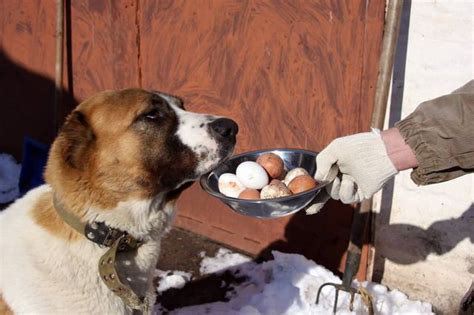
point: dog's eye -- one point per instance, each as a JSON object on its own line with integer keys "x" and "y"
{"x": 154, "y": 114}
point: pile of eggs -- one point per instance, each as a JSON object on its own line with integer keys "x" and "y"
{"x": 265, "y": 179}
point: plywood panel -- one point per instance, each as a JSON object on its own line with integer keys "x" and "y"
{"x": 289, "y": 70}
{"x": 104, "y": 55}
{"x": 292, "y": 74}
{"x": 26, "y": 72}
{"x": 104, "y": 46}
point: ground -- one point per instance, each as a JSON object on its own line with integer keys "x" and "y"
{"x": 198, "y": 276}
{"x": 183, "y": 250}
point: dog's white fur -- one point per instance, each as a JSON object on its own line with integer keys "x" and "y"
{"x": 193, "y": 133}
{"x": 53, "y": 274}
{"x": 44, "y": 274}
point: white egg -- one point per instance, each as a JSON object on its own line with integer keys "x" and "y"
{"x": 230, "y": 185}
{"x": 252, "y": 175}
{"x": 294, "y": 173}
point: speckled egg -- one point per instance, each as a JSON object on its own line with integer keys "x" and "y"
{"x": 230, "y": 185}
{"x": 275, "y": 189}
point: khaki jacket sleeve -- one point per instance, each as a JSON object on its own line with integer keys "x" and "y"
{"x": 441, "y": 133}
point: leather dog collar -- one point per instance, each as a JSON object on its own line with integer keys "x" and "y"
{"x": 118, "y": 241}
{"x": 97, "y": 232}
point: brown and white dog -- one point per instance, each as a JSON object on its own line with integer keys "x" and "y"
{"x": 121, "y": 158}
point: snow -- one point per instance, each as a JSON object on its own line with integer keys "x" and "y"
{"x": 288, "y": 284}
{"x": 223, "y": 260}
{"x": 9, "y": 178}
{"x": 172, "y": 279}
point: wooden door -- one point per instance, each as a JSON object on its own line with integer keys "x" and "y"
{"x": 293, "y": 74}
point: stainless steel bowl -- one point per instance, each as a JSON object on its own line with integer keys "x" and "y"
{"x": 265, "y": 208}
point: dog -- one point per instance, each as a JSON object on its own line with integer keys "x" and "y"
{"x": 113, "y": 175}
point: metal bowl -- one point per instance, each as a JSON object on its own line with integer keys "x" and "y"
{"x": 265, "y": 208}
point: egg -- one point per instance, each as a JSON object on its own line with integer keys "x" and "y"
{"x": 275, "y": 189}
{"x": 252, "y": 175}
{"x": 230, "y": 185}
{"x": 272, "y": 163}
{"x": 294, "y": 173}
{"x": 250, "y": 194}
{"x": 302, "y": 183}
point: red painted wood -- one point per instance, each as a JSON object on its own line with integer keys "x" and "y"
{"x": 291, "y": 73}
{"x": 104, "y": 55}
{"x": 104, "y": 46}
{"x": 26, "y": 73}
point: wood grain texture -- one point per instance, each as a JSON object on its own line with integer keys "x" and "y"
{"x": 291, "y": 73}
{"x": 26, "y": 71}
{"x": 374, "y": 17}
{"x": 288, "y": 72}
{"x": 104, "y": 46}
{"x": 104, "y": 55}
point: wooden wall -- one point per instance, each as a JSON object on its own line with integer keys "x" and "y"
{"x": 291, "y": 73}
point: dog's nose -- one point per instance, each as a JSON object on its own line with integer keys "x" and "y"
{"x": 225, "y": 127}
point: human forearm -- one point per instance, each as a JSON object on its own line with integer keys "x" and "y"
{"x": 401, "y": 155}
{"x": 441, "y": 134}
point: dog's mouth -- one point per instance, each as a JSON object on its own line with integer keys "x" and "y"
{"x": 206, "y": 162}
{"x": 209, "y": 160}
{"x": 225, "y": 154}
{"x": 224, "y": 132}
{"x": 209, "y": 140}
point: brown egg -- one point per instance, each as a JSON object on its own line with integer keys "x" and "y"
{"x": 249, "y": 194}
{"x": 293, "y": 173}
{"x": 302, "y": 183}
{"x": 272, "y": 163}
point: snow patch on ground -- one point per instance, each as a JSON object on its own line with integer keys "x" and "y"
{"x": 288, "y": 285}
{"x": 171, "y": 279}
{"x": 223, "y": 260}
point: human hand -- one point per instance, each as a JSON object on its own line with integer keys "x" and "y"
{"x": 363, "y": 163}
{"x": 323, "y": 196}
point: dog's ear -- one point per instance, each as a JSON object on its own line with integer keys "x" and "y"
{"x": 172, "y": 99}
{"x": 179, "y": 102}
{"x": 75, "y": 139}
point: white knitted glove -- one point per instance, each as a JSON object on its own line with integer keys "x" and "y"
{"x": 364, "y": 166}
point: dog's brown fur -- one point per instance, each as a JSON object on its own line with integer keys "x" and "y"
{"x": 122, "y": 158}
{"x": 97, "y": 136}
{"x": 46, "y": 216}
{"x": 4, "y": 309}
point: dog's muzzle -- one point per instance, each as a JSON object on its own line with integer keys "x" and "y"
{"x": 224, "y": 129}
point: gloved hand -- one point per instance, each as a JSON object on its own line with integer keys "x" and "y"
{"x": 364, "y": 167}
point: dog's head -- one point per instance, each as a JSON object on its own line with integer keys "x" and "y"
{"x": 136, "y": 143}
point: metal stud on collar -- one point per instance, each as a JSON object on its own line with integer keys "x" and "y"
{"x": 117, "y": 240}
{"x": 108, "y": 274}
